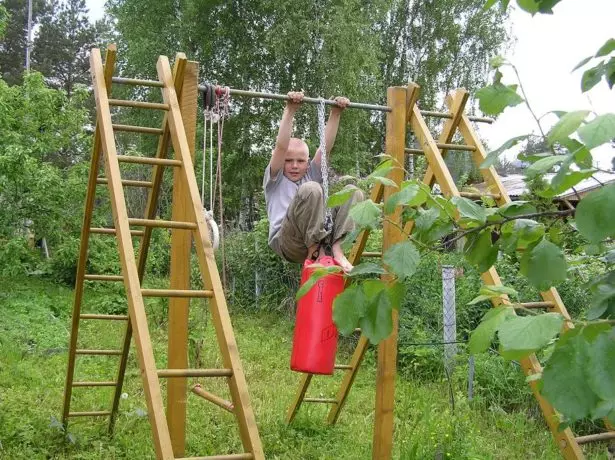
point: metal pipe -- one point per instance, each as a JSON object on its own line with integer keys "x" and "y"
{"x": 309, "y": 100}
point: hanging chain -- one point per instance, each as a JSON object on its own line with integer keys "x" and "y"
{"x": 324, "y": 169}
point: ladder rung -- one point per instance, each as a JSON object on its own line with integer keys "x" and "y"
{"x": 100, "y": 413}
{"x": 320, "y": 400}
{"x": 478, "y": 196}
{"x": 371, "y": 254}
{"x": 138, "y": 104}
{"x": 345, "y": 367}
{"x": 107, "y": 317}
{"x": 467, "y": 148}
{"x": 94, "y": 384}
{"x": 246, "y": 456}
{"x": 171, "y": 373}
{"x": 176, "y": 293}
{"x": 431, "y": 113}
{"x": 414, "y": 151}
{"x": 595, "y": 437}
{"x": 128, "y": 182}
{"x": 162, "y": 223}
{"x": 137, "y": 129}
{"x": 111, "y": 231}
{"x": 223, "y": 403}
{"x": 137, "y": 82}
{"x": 148, "y": 160}
{"x": 98, "y": 352}
{"x": 538, "y": 304}
{"x": 103, "y": 278}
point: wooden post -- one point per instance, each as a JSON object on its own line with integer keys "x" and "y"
{"x": 181, "y": 242}
{"x": 387, "y": 349}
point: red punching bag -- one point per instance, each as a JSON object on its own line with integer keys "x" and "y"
{"x": 315, "y": 338}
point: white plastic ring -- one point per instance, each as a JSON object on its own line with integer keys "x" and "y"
{"x": 214, "y": 233}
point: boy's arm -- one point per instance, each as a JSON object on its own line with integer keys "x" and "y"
{"x": 284, "y": 133}
{"x": 332, "y": 125}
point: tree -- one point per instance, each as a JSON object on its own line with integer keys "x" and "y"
{"x": 284, "y": 45}
{"x": 62, "y": 44}
{"x": 13, "y": 44}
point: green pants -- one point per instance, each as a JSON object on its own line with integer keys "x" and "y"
{"x": 303, "y": 225}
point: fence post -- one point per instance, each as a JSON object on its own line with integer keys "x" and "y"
{"x": 449, "y": 317}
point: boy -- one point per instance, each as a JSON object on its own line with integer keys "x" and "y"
{"x": 294, "y": 195}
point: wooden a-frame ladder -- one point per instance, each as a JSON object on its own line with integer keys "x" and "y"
{"x": 179, "y": 91}
{"x": 437, "y": 171}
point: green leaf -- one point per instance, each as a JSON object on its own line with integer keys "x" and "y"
{"x": 566, "y": 125}
{"x": 469, "y": 210}
{"x": 496, "y": 61}
{"x": 525, "y": 231}
{"x": 397, "y": 292}
{"x": 493, "y": 156}
{"x": 313, "y": 279}
{"x": 598, "y": 131}
{"x": 565, "y": 179}
{"x": 489, "y": 4}
{"x": 411, "y": 195}
{"x": 600, "y": 369}
{"x": 517, "y": 208}
{"x": 365, "y": 214}
{"x": 385, "y": 181}
{"x": 582, "y": 63}
{"x": 377, "y": 323}
{"x": 591, "y": 77}
{"x": 383, "y": 169}
{"x": 544, "y": 165}
{"x": 564, "y": 379}
{"x": 426, "y": 219}
{"x": 521, "y": 336}
{"x": 367, "y": 268}
{"x": 493, "y": 99}
{"x": 348, "y": 308}
{"x": 403, "y": 259}
{"x": 483, "y": 335}
{"x": 531, "y": 6}
{"x": 607, "y": 48}
{"x": 373, "y": 287}
{"x": 480, "y": 251}
{"x": 594, "y": 217}
{"x": 544, "y": 265}
{"x": 495, "y": 290}
{"x": 339, "y": 198}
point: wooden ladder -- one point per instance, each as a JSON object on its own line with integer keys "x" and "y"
{"x": 438, "y": 172}
{"x": 168, "y": 431}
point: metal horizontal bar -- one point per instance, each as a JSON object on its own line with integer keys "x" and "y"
{"x": 371, "y": 254}
{"x": 104, "y": 317}
{"x": 223, "y": 403}
{"x": 246, "y": 456}
{"x": 98, "y": 352}
{"x": 596, "y": 437}
{"x": 171, "y": 373}
{"x": 137, "y": 129}
{"x": 320, "y": 400}
{"x": 100, "y": 413}
{"x": 111, "y": 231}
{"x": 128, "y": 182}
{"x": 309, "y": 100}
{"x": 465, "y": 148}
{"x": 137, "y": 82}
{"x": 537, "y": 304}
{"x": 148, "y": 161}
{"x": 162, "y": 223}
{"x": 431, "y": 113}
{"x": 103, "y": 278}
{"x": 175, "y": 293}
{"x": 94, "y": 384}
{"x": 414, "y": 151}
{"x": 345, "y": 367}
{"x": 138, "y": 104}
{"x": 478, "y": 196}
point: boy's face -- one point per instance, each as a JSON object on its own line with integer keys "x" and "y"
{"x": 296, "y": 161}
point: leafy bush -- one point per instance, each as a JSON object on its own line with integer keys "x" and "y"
{"x": 16, "y": 258}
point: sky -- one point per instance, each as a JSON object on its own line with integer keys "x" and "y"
{"x": 546, "y": 49}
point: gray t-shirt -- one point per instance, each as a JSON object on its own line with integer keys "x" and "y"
{"x": 279, "y": 192}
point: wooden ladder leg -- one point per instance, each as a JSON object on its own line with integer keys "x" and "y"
{"x": 83, "y": 249}
{"x": 296, "y": 405}
{"x": 348, "y": 380}
{"x": 138, "y": 319}
{"x": 211, "y": 278}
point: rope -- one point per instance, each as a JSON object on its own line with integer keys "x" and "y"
{"x": 209, "y": 116}
{"x": 324, "y": 169}
{"x": 222, "y": 109}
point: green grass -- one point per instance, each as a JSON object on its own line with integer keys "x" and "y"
{"x": 34, "y": 332}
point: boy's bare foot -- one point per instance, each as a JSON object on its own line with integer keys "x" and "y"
{"x": 340, "y": 258}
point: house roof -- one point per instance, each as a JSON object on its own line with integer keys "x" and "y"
{"x": 515, "y": 184}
